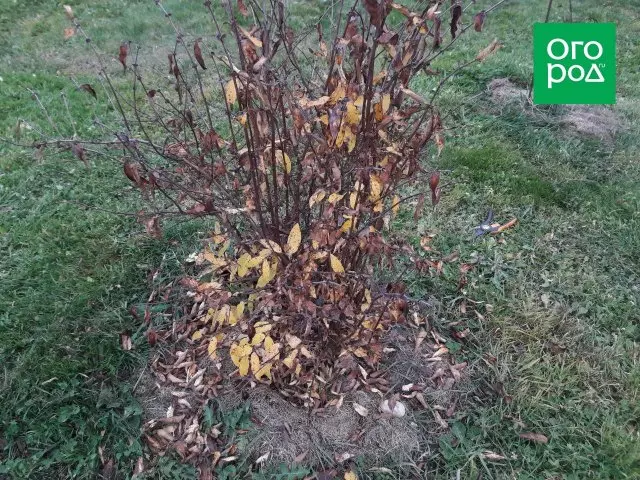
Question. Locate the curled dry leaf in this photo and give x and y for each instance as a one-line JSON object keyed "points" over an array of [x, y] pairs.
{"points": [[122, 55], [89, 89], [493, 47], [79, 152], [456, 13], [132, 172], [197, 51], [478, 21], [534, 437], [69, 32]]}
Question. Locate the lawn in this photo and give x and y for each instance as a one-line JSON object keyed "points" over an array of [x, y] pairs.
{"points": [[553, 348]]}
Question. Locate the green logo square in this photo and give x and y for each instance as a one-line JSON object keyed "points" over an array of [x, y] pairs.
{"points": [[574, 63]]}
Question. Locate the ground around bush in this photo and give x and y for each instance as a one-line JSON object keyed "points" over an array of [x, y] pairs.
{"points": [[552, 350]]}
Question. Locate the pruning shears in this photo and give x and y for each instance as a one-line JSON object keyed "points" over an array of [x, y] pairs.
{"points": [[489, 227]]}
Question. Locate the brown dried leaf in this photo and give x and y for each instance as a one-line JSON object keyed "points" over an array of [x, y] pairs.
{"points": [[197, 51], [152, 226], [79, 152], [242, 8], [122, 56], [132, 172], [69, 32], [89, 89], [534, 437], [491, 48], [456, 13], [478, 21]]}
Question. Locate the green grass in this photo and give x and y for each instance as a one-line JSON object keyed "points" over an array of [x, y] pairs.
{"points": [[563, 287]]}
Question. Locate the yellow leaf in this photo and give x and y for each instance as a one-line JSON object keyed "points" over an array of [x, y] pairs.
{"points": [[256, 42], [386, 102], [359, 101], [352, 117], [338, 94], [233, 318], [316, 197], [324, 119], [346, 226], [240, 309], [284, 160], [255, 364], [257, 260], [353, 197], [258, 338], [376, 187], [335, 197], [273, 269], [197, 335], [288, 362], [272, 245], [262, 327], [351, 144], [395, 206], [336, 264], [342, 133], [243, 366], [379, 77], [294, 240], [350, 475], [242, 119], [213, 345], [230, 92], [265, 277], [243, 263]]}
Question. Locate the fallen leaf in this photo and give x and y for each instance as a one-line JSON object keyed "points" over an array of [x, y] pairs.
{"points": [[489, 455], [336, 264], [262, 458], [69, 11], [125, 341], [350, 475], [534, 437], [69, 32], [393, 408], [89, 89], [362, 411], [343, 457], [491, 48]]}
